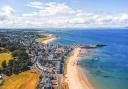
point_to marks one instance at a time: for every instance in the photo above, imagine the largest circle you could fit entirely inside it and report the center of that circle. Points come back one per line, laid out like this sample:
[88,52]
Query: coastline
[46,38]
[49,40]
[75,77]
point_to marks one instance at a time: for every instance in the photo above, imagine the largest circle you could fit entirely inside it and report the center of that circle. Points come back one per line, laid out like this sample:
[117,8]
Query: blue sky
[63,13]
[89,5]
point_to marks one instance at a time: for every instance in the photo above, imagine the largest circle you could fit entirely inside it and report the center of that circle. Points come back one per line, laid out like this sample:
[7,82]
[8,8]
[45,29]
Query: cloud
[49,9]
[5,12]
[36,4]
[54,14]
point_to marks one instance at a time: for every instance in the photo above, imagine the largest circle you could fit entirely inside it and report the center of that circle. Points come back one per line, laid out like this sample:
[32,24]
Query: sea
[107,67]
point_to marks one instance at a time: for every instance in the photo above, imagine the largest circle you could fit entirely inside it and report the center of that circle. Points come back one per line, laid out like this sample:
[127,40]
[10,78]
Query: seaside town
[47,60]
[63,44]
[30,51]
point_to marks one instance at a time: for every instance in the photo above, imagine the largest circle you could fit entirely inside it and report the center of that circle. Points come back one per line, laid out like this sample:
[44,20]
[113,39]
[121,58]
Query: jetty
[89,46]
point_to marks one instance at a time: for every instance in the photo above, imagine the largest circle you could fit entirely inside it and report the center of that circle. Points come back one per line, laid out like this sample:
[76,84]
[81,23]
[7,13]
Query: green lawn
[40,39]
[46,36]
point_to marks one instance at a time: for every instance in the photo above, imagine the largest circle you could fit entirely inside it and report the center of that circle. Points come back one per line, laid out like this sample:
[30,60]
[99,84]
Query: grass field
[5,56]
[25,80]
[46,37]
[40,39]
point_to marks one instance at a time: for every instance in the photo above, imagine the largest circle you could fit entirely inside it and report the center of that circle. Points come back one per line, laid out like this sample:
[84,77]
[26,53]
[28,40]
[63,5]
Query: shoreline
[49,40]
[75,77]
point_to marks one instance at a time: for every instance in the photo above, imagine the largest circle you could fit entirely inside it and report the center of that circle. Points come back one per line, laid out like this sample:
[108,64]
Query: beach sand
[49,40]
[75,78]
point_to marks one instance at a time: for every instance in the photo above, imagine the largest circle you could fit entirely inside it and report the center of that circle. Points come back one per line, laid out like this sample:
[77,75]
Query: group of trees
[10,46]
[20,63]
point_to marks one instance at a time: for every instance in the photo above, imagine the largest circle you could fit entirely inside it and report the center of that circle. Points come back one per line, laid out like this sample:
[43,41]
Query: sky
[63,13]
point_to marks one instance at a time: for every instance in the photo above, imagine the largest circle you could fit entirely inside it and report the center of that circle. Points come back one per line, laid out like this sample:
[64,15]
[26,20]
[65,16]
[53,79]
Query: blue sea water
[107,67]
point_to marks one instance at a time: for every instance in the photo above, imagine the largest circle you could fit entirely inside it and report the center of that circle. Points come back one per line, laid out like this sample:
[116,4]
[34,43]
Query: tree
[15,67]
[21,54]
[4,65]
[19,64]
[12,48]
[10,67]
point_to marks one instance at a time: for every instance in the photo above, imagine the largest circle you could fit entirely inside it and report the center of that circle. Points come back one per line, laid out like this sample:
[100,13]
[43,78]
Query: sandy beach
[49,40]
[75,78]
